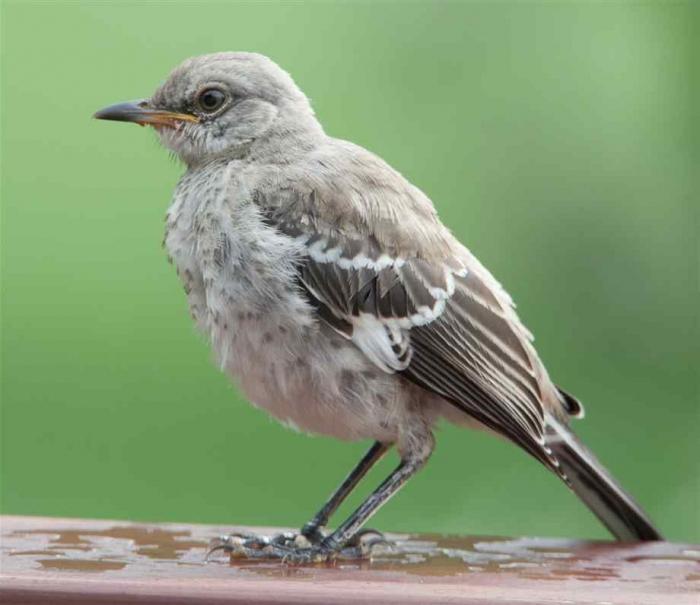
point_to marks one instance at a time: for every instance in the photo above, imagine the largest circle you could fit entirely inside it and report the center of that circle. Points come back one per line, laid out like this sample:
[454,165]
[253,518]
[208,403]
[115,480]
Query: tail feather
[596,487]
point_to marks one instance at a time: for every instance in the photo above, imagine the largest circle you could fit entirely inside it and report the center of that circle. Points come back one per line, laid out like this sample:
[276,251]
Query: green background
[556,140]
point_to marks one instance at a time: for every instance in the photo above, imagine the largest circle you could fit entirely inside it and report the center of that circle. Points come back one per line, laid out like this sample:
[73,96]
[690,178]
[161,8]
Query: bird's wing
[385,273]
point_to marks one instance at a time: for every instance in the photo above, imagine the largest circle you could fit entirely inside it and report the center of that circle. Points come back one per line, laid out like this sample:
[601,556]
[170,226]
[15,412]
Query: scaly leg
[339,545]
[312,530]
[332,546]
[254,546]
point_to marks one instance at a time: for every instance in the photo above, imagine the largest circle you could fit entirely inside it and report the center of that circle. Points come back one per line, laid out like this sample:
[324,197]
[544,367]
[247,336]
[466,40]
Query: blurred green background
[556,141]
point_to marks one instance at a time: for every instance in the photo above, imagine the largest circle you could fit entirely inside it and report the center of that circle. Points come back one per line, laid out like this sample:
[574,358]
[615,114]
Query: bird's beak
[142,113]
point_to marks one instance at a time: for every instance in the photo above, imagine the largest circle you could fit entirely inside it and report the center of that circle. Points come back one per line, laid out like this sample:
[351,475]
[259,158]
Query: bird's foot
[296,549]
[255,546]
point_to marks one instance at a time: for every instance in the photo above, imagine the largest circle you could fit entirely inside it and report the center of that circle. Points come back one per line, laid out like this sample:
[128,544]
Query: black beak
[140,112]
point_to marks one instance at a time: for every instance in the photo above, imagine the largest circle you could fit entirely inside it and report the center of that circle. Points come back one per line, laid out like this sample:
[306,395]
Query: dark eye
[211,99]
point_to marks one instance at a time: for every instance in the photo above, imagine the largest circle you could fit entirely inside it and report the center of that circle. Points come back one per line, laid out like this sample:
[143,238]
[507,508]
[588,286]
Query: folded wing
[386,274]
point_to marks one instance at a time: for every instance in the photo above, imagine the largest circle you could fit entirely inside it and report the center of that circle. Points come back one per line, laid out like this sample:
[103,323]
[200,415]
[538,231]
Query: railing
[58,561]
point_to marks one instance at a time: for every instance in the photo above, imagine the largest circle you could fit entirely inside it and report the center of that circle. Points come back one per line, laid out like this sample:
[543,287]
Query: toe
[313,534]
[368,537]
[308,556]
[291,540]
[237,543]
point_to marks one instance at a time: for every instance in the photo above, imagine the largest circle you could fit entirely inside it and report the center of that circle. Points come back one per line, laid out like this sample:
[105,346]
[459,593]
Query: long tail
[596,487]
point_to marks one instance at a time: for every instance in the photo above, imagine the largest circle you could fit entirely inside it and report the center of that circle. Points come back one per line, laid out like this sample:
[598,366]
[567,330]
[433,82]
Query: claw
[296,549]
[245,545]
[219,543]
[366,532]
[367,547]
[237,543]
[368,538]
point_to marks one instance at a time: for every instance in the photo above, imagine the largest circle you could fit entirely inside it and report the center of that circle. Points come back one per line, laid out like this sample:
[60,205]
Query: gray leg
[340,543]
[312,529]
[254,546]
[341,536]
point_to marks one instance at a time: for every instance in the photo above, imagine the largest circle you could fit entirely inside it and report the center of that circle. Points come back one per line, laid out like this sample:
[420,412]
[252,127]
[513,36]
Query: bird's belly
[240,280]
[312,380]
[290,364]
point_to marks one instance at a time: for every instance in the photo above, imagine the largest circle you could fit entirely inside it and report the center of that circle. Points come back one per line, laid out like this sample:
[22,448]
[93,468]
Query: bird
[335,298]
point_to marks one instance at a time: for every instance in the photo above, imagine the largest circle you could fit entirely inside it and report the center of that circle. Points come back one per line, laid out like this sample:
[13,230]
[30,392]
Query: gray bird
[339,303]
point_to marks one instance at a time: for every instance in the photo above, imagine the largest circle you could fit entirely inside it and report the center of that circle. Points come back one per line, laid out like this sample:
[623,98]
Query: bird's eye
[211,99]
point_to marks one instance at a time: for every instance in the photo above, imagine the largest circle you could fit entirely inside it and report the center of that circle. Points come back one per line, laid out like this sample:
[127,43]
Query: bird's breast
[240,278]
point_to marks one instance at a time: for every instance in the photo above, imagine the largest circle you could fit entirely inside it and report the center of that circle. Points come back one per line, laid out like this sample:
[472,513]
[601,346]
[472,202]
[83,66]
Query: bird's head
[221,105]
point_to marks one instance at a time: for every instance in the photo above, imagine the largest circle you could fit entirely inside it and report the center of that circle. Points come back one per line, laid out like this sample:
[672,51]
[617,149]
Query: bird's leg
[350,528]
[255,546]
[297,549]
[312,530]
[336,544]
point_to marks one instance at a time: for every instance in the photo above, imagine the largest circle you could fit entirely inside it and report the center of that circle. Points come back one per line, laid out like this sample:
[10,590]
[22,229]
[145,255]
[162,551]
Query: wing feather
[387,275]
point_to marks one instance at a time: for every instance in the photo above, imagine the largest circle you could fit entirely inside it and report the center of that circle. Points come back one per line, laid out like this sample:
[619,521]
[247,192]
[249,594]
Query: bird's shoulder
[356,211]
[344,191]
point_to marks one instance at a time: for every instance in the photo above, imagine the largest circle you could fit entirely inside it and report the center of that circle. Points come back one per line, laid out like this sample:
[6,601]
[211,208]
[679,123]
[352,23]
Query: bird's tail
[596,487]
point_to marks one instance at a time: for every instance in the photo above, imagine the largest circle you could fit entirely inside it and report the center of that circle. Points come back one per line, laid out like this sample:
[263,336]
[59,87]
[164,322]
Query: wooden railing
[58,561]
